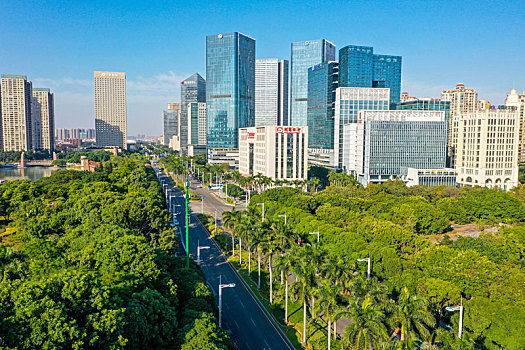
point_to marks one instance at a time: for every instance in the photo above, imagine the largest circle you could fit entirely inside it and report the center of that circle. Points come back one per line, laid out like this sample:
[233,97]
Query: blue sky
[59,44]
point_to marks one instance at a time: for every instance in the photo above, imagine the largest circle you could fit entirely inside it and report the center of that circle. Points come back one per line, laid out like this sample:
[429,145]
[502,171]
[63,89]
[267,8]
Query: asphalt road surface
[249,323]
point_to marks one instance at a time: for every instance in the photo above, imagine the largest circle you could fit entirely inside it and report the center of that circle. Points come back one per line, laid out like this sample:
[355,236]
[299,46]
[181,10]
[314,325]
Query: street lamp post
[221,286]
[199,252]
[368,269]
[262,214]
[285,217]
[315,233]
[460,308]
[215,231]
[202,205]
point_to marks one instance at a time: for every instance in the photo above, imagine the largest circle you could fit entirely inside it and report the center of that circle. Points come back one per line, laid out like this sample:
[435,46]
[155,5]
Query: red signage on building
[251,135]
[288,130]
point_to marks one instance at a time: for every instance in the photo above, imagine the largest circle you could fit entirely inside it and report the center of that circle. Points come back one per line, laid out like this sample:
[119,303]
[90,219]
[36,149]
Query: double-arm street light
[368,269]
[460,309]
[221,286]
[199,247]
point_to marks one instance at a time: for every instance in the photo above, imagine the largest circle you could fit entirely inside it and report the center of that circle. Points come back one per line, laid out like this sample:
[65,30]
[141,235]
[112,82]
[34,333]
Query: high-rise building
[230,88]
[462,101]
[516,100]
[271,92]
[348,102]
[322,83]
[192,89]
[110,109]
[196,112]
[305,54]
[428,104]
[278,152]
[172,126]
[487,148]
[360,67]
[381,143]
[44,113]
[16,113]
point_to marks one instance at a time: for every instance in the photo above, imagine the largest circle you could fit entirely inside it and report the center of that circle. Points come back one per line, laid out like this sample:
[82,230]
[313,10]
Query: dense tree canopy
[87,262]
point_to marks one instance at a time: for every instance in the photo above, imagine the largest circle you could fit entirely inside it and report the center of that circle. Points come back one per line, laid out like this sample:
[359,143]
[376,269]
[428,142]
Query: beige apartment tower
[514,99]
[110,109]
[43,115]
[16,113]
[487,148]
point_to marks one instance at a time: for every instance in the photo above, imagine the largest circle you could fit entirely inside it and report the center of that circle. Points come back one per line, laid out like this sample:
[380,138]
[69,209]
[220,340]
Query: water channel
[32,173]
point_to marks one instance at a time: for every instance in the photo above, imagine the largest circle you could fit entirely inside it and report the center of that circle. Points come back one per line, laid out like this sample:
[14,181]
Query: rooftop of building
[14,76]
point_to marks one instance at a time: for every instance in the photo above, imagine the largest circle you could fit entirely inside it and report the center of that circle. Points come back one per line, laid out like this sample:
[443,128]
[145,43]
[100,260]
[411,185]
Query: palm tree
[337,270]
[315,182]
[367,329]
[269,246]
[231,219]
[410,314]
[303,288]
[330,305]
[283,264]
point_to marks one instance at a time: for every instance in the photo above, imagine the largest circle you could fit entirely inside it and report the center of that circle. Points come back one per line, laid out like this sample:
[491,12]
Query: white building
[218,156]
[278,152]
[487,148]
[428,177]
[271,92]
[516,100]
[381,143]
[196,115]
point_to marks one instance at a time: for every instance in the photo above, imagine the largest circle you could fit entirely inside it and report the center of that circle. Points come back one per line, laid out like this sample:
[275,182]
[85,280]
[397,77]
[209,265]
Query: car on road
[199,186]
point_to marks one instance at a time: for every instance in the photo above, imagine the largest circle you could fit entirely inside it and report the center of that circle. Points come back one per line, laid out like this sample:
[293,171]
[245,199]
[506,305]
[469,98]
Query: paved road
[248,321]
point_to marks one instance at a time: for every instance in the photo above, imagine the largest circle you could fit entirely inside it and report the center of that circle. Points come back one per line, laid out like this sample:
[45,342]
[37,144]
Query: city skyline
[430,65]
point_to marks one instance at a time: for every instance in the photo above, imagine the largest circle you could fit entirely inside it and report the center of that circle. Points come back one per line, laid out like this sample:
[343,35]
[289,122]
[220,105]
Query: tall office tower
[322,83]
[196,112]
[16,113]
[44,112]
[192,89]
[348,102]
[172,126]
[381,143]
[516,100]
[230,88]
[110,109]
[462,101]
[271,92]
[360,67]
[305,54]
[487,148]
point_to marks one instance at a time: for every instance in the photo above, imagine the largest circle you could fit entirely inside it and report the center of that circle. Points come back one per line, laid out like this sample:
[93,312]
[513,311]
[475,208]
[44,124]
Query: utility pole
[187,201]
[221,286]
[262,214]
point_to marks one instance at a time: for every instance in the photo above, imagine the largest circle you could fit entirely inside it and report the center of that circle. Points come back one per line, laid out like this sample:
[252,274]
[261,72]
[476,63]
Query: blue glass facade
[305,54]
[192,89]
[360,67]
[230,88]
[429,105]
[322,83]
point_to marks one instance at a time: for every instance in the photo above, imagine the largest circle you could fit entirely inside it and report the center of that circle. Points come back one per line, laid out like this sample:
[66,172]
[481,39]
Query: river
[32,173]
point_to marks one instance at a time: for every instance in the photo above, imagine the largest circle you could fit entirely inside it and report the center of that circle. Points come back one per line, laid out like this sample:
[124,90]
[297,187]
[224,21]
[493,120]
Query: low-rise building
[487,148]
[428,177]
[218,156]
[278,152]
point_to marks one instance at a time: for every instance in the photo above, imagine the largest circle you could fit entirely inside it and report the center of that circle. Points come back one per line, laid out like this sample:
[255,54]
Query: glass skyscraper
[192,89]
[305,54]
[360,67]
[322,83]
[230,88]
